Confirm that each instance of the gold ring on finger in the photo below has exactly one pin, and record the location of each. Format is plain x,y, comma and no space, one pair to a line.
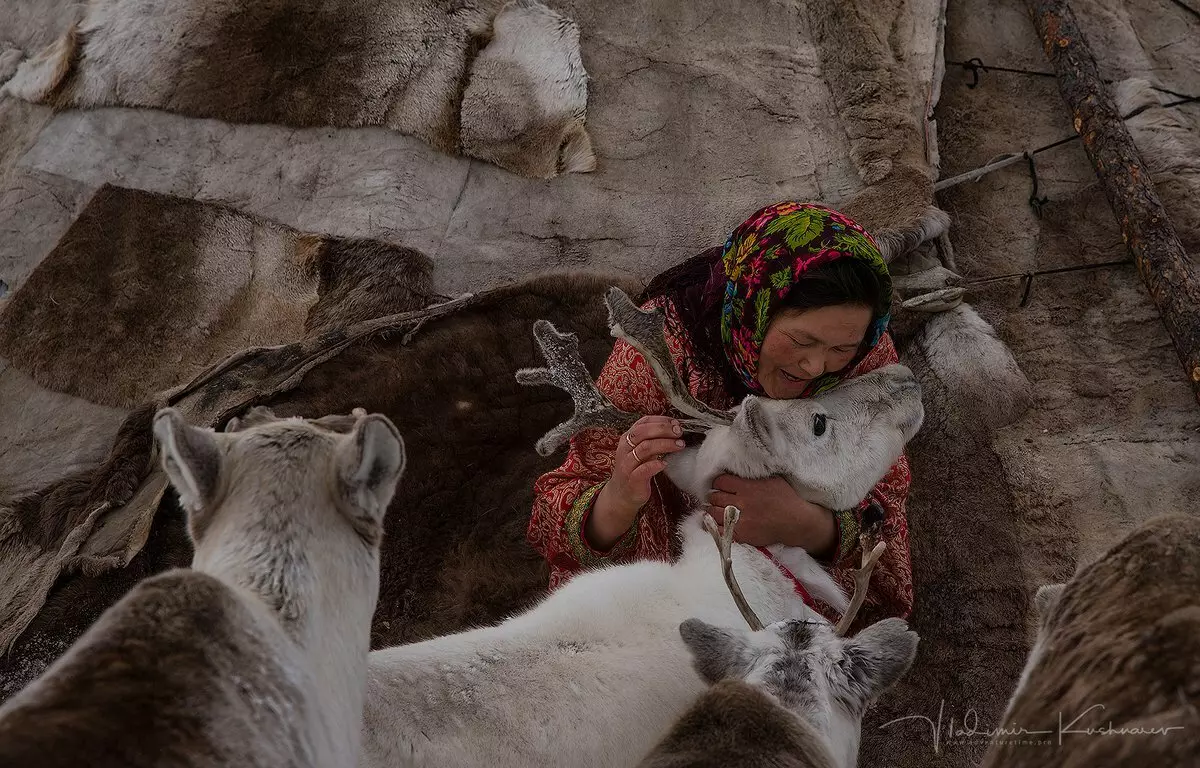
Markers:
636,458
630,442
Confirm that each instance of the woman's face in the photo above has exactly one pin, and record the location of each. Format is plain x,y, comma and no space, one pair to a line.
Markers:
800,345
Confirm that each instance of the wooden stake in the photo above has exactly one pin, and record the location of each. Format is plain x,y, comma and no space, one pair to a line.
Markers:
1161,261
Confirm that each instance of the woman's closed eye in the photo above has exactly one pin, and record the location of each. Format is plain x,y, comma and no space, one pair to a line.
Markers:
799,343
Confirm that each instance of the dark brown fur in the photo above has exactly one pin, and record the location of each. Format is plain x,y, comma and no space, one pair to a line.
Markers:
736,724
1124,634
454,551
178,667
78,599
125,306
361,279
44,518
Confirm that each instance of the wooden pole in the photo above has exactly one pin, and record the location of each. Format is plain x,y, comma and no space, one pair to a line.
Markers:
1161,261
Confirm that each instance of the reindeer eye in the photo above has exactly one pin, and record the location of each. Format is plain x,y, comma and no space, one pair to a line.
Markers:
818,424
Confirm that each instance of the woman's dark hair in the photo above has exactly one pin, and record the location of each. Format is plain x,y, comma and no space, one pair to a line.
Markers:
697,289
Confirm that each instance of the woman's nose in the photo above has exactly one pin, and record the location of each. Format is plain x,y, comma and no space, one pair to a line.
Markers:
813,366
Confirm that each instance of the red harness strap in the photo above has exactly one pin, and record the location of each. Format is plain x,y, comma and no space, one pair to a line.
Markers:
800,590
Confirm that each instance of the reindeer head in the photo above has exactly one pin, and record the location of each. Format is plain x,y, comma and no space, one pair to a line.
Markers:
270,493
820,677
832,448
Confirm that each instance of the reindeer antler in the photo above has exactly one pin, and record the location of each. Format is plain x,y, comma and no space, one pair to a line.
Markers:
871,541
645,331
642,330
724,546
567,372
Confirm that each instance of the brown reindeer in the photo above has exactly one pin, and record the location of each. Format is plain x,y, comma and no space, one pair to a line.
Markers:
1114,676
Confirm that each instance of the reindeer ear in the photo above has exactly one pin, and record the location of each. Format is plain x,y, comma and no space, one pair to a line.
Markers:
370,461
191,458
716,653
874,660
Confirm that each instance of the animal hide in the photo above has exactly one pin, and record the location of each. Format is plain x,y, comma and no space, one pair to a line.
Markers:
969,605
408,66
454,552
704,111
42,534
144,291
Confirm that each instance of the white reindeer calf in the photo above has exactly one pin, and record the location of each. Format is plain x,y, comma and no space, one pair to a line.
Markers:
792,695
256,656
1113,678
596,674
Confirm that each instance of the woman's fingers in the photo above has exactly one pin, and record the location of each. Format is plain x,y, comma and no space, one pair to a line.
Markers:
643,472
648,449
655,428
720,500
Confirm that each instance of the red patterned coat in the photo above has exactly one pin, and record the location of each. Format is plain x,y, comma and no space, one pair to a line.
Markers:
563,497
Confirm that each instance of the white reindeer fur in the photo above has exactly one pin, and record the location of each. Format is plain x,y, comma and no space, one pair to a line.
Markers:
309,571
596,674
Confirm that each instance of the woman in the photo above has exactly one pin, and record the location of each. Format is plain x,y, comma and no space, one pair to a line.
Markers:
796,301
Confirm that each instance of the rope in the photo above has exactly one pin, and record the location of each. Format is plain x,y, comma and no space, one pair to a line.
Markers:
1028,276
976,65
1011,158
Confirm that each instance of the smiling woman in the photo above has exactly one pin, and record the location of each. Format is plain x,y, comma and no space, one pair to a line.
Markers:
795,302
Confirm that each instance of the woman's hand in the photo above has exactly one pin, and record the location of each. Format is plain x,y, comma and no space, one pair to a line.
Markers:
639,457
773,513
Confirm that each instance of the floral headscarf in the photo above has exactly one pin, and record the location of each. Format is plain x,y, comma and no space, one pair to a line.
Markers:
765,256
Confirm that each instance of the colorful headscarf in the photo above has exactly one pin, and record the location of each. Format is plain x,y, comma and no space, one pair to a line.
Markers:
762,260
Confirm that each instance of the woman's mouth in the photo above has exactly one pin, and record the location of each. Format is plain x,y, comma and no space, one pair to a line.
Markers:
790,378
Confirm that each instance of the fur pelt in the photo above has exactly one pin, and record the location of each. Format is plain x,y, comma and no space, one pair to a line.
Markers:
969,603
523,107
883,115
735,723
42,534
1117,648
233,281
402,65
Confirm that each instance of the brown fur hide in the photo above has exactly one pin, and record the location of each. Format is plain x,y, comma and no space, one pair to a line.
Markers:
42,535
871,82
403,65
1120,648
970,604
736,724
454,552
180,666
144,291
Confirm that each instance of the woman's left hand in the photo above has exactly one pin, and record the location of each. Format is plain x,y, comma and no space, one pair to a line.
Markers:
773,513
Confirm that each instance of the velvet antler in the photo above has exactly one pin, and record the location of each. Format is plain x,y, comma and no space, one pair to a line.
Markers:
725,546
565,370
871,541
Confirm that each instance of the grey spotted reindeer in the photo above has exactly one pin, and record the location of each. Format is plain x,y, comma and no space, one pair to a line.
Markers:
256,655
598,673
